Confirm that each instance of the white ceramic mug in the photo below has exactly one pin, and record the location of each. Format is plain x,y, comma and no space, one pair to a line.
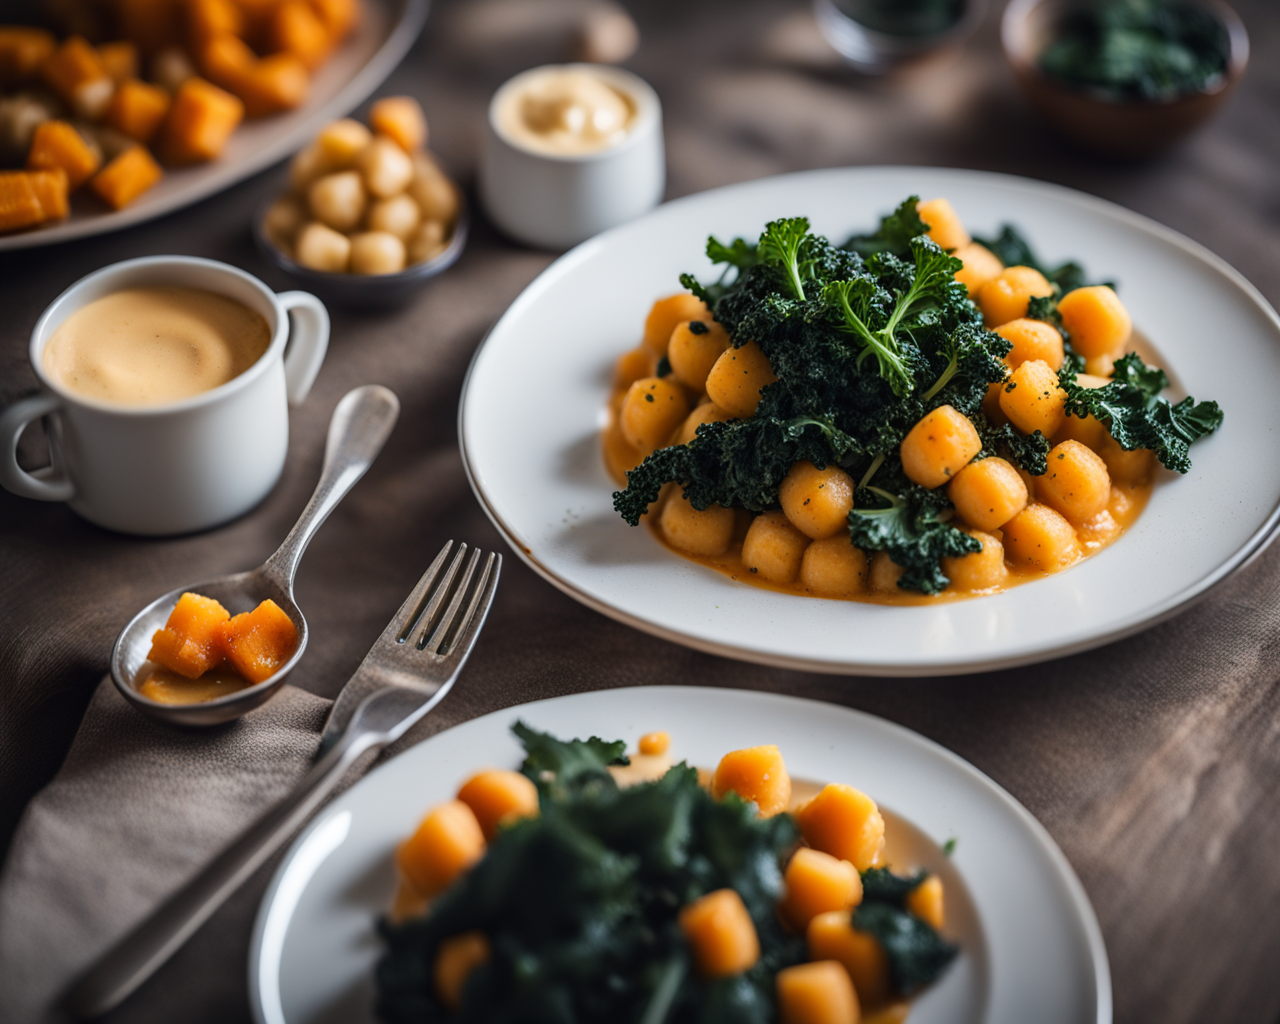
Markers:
181,466
558,200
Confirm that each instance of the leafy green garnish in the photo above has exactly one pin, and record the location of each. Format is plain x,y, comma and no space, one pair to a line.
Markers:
949,847
1132,409
787,246
882,885
562,767
916,953
894,233
1015,251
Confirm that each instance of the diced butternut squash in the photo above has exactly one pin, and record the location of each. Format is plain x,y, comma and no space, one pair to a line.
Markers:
20,206
400,118
737,377
884,573
666,314
57,145
447,842
1032,399
191,641
52,190
653,408
1096,321
121,60
817,501
831,936
833,567
773,548
456,958
22,50
845,823
199,123
979,570
1040,537
138,109
274,83
258,643
939,446
758,775
76,73
126,177
207,19
294,27
498,798
1076,483
980,266
988,493
720,933
1032,339
1007,296
694,347
224,59
816,883
654,744
925,901
707,532
816,993
339,16
945,226
1127,468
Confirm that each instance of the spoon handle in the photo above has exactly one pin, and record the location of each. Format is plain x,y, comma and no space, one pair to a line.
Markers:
360,425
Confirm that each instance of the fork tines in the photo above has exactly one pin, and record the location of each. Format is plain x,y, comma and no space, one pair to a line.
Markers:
431,612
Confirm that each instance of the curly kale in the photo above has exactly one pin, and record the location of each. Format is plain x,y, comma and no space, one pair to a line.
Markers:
917,954
894,233
1015,251
1132,409
1028,451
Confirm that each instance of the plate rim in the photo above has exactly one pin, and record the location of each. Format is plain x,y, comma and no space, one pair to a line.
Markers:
1184,599
411,18
971,775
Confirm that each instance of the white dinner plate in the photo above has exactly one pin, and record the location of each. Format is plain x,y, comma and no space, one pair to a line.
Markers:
386,31
534,399
1030,945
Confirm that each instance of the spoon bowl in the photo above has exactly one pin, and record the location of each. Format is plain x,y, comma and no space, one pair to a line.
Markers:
359,427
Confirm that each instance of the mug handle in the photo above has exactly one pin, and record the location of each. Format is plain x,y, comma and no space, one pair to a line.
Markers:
307,343
49,484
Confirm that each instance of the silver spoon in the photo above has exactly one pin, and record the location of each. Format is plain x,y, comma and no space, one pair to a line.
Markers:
359,427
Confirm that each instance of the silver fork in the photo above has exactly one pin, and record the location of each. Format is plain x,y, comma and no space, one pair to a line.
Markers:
404,675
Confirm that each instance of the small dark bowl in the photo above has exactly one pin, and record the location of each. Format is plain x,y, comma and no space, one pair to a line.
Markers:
363,291
1129,129
877,53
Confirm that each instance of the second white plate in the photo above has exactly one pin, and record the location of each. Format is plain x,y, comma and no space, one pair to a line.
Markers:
532,405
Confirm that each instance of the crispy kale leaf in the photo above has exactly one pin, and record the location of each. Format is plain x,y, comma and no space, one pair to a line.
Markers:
903,519
1015,251
561,767
894,233
917,954
1028,451
883,886
1138,417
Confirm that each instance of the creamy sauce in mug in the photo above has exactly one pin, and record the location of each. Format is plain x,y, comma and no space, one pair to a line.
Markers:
566,112
149,346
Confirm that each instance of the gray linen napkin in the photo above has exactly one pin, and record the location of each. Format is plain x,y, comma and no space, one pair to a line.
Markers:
136,809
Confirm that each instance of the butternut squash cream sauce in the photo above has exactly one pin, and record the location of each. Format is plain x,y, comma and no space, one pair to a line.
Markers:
1128,499
149,346
565,112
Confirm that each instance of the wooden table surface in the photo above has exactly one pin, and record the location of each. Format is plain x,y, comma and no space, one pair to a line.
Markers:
1155,762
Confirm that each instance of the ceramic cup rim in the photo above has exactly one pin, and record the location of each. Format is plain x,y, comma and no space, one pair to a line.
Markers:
648,112
65,305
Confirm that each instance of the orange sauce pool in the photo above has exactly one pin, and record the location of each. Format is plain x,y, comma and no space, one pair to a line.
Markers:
1126,504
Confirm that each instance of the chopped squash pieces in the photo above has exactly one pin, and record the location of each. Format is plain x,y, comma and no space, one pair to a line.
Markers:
654,744
19,205
498,798
76,73
816,883
138,109
296,28
126,177
259,642
721,934
56,144
51,189
401,119
756,774
455,961
845,823
816,993
199,123
446,843
831,936
191,641
22,51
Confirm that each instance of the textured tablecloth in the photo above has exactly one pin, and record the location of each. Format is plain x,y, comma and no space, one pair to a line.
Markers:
1155,762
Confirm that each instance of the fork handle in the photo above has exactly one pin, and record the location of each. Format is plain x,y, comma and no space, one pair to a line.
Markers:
136,957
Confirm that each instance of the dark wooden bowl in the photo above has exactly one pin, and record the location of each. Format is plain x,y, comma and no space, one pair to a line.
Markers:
1128,129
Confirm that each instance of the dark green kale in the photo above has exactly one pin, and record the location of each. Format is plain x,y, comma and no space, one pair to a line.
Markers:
894,233
916,953
664,367
880,885
562,767
580,906
1131,408
1028,451
1015,251
905,520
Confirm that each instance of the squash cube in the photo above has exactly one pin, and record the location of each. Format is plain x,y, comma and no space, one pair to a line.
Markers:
1076,483
126,177
499,797
120,60
209,18
257,643
456,958
51,190
1007,296
56,144
76,73
1096,321
654,744
1032,399
339,16
20,206
941,444
945,226
925,901
831,936
988,494
817,993
816,883
980,266
22,51
191,641
1032,339
446,843
1040,537
138,109
401,119
721,934
199,123
294,27
275,83
758,775
845,823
